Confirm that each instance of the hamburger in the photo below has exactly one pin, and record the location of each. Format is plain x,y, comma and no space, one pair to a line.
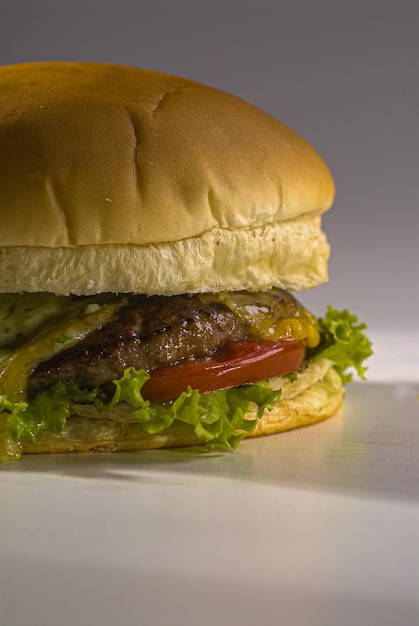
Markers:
153,231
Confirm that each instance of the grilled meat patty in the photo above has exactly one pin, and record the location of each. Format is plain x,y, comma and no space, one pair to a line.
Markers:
146,334
152,332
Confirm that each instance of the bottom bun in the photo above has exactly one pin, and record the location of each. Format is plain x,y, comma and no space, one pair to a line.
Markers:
316,395
320,401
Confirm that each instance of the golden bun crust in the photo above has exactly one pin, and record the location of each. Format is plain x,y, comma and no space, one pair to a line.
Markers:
321,400
100,163
120,432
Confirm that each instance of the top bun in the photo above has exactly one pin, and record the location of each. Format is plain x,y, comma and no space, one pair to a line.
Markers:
119,179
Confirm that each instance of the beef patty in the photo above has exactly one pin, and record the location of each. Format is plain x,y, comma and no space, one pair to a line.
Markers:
152,332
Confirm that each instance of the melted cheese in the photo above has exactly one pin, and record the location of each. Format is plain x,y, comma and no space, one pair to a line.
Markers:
49,336
266,318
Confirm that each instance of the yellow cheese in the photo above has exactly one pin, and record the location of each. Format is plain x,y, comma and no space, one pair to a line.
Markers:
270,318
52,337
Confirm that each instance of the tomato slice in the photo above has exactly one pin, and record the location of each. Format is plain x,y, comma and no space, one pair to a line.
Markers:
237,363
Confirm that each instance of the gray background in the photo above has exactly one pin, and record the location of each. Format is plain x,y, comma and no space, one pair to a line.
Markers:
343,73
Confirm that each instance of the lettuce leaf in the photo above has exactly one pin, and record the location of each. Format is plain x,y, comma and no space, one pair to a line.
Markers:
48,411
219,418
216,417
343,341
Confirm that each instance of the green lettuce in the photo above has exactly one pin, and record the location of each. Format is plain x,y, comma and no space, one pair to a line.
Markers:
218,418
343,341
48,411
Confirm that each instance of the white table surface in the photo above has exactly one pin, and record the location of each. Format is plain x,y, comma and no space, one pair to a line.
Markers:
315,526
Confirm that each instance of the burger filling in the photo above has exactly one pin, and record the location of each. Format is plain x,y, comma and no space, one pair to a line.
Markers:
163,335
202,359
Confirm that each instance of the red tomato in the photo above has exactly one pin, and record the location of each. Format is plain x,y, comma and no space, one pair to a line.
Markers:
237,363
